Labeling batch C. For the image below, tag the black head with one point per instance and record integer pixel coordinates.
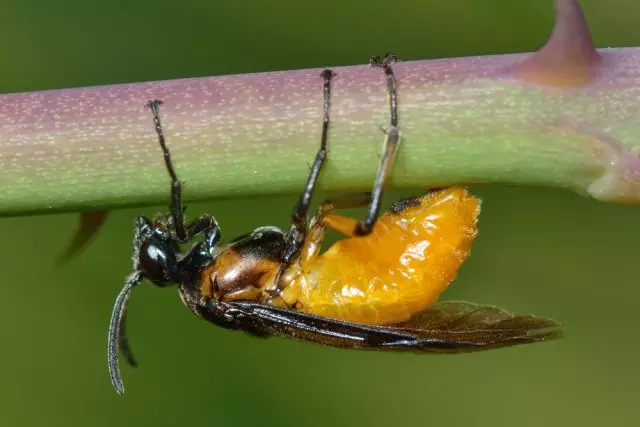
(156, 252)
(157, 258)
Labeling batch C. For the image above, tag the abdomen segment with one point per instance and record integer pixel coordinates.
(401, 268)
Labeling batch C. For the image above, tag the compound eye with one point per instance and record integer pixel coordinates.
(157, 262)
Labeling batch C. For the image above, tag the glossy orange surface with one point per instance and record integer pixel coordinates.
(399, 269)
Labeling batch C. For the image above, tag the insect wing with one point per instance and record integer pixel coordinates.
(450, 327)
(471, 327)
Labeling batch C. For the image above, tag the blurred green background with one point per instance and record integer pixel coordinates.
(542, 251)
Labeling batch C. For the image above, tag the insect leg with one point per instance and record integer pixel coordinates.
(342, 224)
(177, 210)
(390, 145)
(299, 221)
(324, 218)
(348, 226)
(204, 223)
(207, 225)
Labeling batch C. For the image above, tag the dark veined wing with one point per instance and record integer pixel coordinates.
(446, 327)
(481, 326)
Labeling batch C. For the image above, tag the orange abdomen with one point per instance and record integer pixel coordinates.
(400, 268)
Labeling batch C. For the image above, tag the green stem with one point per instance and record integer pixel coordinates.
(466, 120)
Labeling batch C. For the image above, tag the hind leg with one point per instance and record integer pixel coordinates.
(325, 218)
(349, 226)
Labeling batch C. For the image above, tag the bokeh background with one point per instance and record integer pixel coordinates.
(542, 251)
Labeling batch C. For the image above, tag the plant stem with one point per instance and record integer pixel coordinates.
(465, 120)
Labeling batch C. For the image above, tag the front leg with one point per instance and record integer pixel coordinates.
(205, 224)
(208, 226)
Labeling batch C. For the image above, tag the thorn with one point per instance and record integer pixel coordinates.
(569, 57)
(88, 226)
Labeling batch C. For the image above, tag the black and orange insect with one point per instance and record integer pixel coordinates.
(374, 289)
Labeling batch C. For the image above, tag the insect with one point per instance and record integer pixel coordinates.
(374, 289)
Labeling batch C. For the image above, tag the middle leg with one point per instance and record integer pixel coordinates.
(294, 239)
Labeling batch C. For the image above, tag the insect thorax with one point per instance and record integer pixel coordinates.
(244, 268)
